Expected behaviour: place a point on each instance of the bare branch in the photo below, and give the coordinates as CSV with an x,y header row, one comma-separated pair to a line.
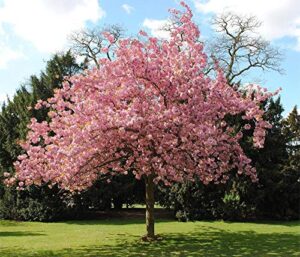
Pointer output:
x,y
89,43
239,48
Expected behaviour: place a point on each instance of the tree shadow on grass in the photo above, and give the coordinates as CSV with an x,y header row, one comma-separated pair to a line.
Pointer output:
x,y
19,233
113,221
294,223
126,221
211,242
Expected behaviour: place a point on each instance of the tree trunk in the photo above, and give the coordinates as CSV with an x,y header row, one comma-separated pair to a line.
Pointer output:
x,y
118,203
150,207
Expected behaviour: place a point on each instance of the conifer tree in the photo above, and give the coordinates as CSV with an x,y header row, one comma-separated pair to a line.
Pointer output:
x,y
36,203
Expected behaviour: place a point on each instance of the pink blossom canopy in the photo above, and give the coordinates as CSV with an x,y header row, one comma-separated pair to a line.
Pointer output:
x,y
152,110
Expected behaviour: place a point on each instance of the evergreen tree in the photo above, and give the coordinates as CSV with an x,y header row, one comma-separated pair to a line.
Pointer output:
x,y
44,203
36,203
276,195
291,130
291,169
266,195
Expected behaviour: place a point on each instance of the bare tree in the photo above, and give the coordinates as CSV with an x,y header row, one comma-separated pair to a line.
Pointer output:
x,y
239,48
89,43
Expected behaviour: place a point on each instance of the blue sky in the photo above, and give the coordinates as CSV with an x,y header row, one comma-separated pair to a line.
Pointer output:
x,y
32,30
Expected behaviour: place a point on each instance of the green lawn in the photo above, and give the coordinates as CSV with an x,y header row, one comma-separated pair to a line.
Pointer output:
x,y
122,238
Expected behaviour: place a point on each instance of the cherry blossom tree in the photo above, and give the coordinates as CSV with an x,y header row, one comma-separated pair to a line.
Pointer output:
x,y
151,110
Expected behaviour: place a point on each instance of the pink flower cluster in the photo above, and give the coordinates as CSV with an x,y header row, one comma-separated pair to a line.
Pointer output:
x,y
152,110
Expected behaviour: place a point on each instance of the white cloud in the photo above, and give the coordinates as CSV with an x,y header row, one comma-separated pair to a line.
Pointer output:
x,y
8,54
156,27
127,8
280,18
47,23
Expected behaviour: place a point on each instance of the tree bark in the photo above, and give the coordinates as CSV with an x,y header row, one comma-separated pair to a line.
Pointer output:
x,y
150,207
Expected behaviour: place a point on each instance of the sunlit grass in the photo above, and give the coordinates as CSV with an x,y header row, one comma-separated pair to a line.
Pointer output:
x,y
122,238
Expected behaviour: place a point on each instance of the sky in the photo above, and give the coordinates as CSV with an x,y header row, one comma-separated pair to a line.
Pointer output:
x,y
32,31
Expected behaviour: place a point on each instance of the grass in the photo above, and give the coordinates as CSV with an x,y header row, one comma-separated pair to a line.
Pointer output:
x,y
122,238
